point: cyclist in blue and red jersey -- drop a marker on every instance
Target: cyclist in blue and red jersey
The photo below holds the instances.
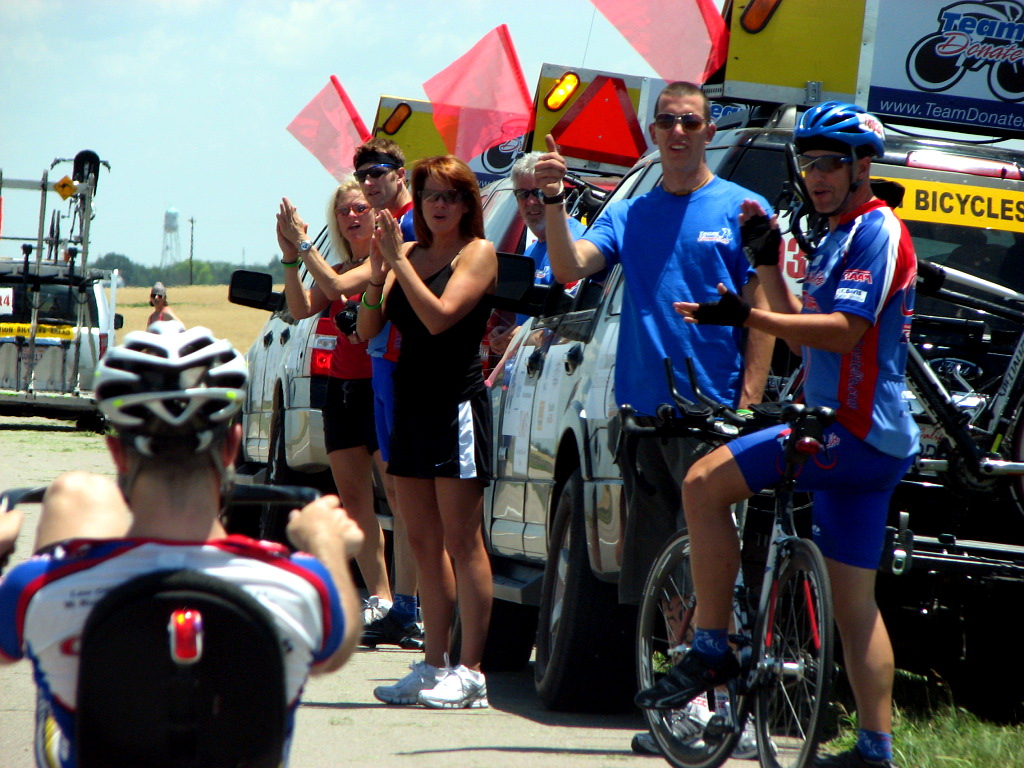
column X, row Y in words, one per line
column 852, row 327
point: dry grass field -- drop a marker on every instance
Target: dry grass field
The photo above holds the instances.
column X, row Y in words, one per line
column 195, row 305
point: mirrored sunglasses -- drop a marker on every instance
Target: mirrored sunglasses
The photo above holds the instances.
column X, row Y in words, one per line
column 357, row 208
column 691, row 121
column 375, row 171
column 823, row 163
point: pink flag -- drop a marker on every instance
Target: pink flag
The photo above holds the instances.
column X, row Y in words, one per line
column 680, row 39
column 481, row 99
column 331, row 129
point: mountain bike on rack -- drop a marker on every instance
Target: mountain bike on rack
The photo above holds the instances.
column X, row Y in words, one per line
column 976, row 436
column 783, row 629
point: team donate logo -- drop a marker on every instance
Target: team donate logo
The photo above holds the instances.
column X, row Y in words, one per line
column 972, row 37
column 723, row 236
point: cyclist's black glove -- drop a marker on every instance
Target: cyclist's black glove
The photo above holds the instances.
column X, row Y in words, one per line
column 761, row 241
column 728, row 310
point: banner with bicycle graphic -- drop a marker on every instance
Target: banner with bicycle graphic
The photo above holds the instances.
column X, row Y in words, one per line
column 948, row 64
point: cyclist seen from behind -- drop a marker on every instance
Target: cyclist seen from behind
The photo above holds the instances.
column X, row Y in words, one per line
column 852, row 327
column 172, row 396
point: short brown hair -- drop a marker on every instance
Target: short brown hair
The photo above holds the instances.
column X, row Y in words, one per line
column 682, row 88
column 378, row 146
column 450, row 169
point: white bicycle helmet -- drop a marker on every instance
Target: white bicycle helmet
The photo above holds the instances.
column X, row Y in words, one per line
column 169, row 386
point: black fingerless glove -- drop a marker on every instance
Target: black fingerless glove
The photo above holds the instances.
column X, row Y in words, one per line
column 728, row 310
column 761, row 241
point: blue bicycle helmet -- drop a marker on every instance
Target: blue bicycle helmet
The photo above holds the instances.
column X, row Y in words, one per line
column 840, row 127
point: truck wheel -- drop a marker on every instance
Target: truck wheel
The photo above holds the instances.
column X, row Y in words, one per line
column 273, row 517
column 584, row 637
column 278, row 471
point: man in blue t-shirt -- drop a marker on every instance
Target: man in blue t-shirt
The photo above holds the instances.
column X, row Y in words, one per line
column 852, row 325
column 679, row 239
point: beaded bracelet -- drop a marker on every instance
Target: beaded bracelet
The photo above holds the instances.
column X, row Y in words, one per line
column 368, row 305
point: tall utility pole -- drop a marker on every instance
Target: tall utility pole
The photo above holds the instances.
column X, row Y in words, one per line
column 191, row 245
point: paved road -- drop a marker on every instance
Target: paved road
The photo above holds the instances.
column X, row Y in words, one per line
column 339, row 721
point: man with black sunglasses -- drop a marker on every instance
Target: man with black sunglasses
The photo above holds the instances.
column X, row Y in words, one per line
column 680, row 238
column 380, row 171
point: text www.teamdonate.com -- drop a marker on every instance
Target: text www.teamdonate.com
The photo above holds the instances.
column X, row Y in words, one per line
column 933, row 111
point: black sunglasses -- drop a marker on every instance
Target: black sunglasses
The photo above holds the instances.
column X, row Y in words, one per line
column 823, row 163
column 375, row 171
column 690, row 121
column 523, row 194
column 448, row 196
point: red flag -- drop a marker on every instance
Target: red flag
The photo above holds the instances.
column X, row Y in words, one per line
column 330, row 127
column 481, row 100
column 680, row 39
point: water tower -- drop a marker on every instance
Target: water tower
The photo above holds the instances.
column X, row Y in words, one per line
column 171, row 253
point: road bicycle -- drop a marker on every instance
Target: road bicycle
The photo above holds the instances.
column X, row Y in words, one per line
column 783, row 627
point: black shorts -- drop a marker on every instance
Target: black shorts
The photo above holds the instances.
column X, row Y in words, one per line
column 348, row 415
column 432, row 439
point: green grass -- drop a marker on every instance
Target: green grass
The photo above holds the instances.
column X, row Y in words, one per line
column 931, row 731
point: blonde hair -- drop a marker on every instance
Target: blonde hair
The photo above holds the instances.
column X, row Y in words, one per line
column 339, row 245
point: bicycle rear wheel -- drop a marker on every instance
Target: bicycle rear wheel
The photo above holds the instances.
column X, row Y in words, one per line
column 794, row 677
column 664, row 633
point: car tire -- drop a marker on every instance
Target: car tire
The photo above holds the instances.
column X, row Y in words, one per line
column 584, row 660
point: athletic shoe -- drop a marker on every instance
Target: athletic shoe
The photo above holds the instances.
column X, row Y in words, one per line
column 746, row 747
column 460, row 688
column 390, row 630
column 850, row 759
column 686, row 680
column 406, row 691
column 688, row 730
column 375, row 609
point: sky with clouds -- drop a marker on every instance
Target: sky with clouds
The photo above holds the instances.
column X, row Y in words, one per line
column 189, row 100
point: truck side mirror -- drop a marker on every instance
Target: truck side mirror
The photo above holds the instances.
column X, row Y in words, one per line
column 254, row 289
column 118, row 321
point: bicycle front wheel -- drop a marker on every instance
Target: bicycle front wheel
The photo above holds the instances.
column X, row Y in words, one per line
column 794, row 676
column 689, row 737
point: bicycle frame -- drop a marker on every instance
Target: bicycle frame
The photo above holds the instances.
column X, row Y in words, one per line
column 978, row 439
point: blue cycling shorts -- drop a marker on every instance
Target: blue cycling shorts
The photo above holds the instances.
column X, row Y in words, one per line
column 852, row 484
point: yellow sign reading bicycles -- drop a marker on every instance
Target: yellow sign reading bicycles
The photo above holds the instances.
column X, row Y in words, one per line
column 43, row 331
column 967, row 206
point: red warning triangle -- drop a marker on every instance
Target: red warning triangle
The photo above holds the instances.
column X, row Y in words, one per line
column 601, row 125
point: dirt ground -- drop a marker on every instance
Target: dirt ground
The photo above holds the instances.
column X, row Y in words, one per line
column 206, row 305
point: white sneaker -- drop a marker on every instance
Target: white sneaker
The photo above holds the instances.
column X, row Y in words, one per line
column 406, row 691
column 374, row 609
column 460, row 688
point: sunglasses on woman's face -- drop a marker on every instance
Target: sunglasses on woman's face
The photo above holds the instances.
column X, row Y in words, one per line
column 448, row 196
column 357, row 208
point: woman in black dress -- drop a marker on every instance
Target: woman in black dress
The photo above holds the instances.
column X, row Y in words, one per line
column 433, row 290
